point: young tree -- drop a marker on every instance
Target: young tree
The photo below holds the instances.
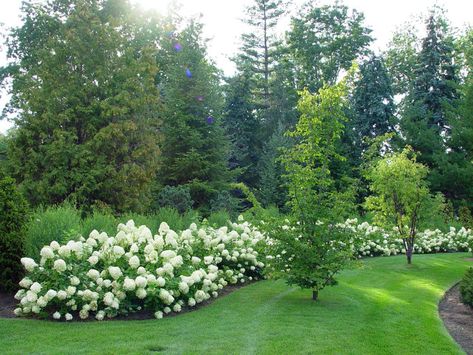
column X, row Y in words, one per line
column 86, row 104
column 400, row 191
column 312, row 249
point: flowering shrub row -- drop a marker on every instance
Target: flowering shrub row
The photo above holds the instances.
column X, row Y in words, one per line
column 105, row 276
column 368, row 240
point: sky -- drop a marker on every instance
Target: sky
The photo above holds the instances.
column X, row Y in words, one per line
column 223, row 25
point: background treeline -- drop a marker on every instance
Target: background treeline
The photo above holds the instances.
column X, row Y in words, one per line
column 122, row 110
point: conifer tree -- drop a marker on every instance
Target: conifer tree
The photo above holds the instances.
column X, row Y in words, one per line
column 85, row 103
column 194, row 148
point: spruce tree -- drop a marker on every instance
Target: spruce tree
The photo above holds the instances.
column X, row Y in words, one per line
column 194, row 148
column 243, row 129
column 259, row 51
column 425, row 114
column 272, row 188
column 372, row 103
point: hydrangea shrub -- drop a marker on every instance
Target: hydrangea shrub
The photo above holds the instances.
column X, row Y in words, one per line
column 105, row 276
column 368, row 240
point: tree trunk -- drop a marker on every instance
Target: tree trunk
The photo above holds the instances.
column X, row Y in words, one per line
column 315, row 295
column 409, row 254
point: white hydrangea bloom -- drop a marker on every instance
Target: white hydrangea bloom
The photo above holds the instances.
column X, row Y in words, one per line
column 28, row 263
column 47, row 252
column 60, row 265
column 134, row 262
column 115, row 272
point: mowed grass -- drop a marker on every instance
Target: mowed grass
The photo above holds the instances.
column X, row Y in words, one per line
column 381, row 307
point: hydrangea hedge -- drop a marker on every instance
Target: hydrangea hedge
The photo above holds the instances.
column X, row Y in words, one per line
column 105, row 276
column 367, row 240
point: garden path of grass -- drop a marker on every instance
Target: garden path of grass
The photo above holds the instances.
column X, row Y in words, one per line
column 381, row 307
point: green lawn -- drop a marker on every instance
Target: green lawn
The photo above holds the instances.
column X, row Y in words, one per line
column 382, row 307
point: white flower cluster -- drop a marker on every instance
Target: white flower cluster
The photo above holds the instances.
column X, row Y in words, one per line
column 368, row 240
column 104, row 276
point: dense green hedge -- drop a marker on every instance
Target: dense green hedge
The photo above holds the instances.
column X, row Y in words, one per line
column 466, row 288
column 13, row 215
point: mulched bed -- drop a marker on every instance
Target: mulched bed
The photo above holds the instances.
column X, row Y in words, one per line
column 458, row 318
column 8, row 304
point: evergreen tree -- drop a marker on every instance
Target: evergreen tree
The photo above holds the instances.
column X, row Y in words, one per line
column 259, row 52
column 372, row 103
column 243, row 128
column 273, row 189
column 436, row 74
column 86, row 103
column 194, row 149
column 425, row 115
column 454, row 171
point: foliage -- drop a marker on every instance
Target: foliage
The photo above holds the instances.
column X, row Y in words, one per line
column 324, row 41
column 224, row 201
column 399, row 194
column 310, row 253
column 102, row 221
column 308, row 256
column 13, row 216
column 86, row 124
column 243, row 128
column 401, row 57
column 465, row 217
column 177, row 197
column 430, row 113
column 370, row 240
column 51, row 223
column 313, row 190
column 194, row 149
column 218, row 218
column 466, row 288
column 260, row 50
column 372, row 102
column 272, row 189
column 106, row 276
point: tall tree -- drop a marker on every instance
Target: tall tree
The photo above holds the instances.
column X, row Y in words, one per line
column 425, row 117
column 86, row 103
column 372, row 103
column 324, row 41
column 259, row 51
column 436, row 73
column 195, row 149
column 243, row 129
column 401, row 57
column 454, row 172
